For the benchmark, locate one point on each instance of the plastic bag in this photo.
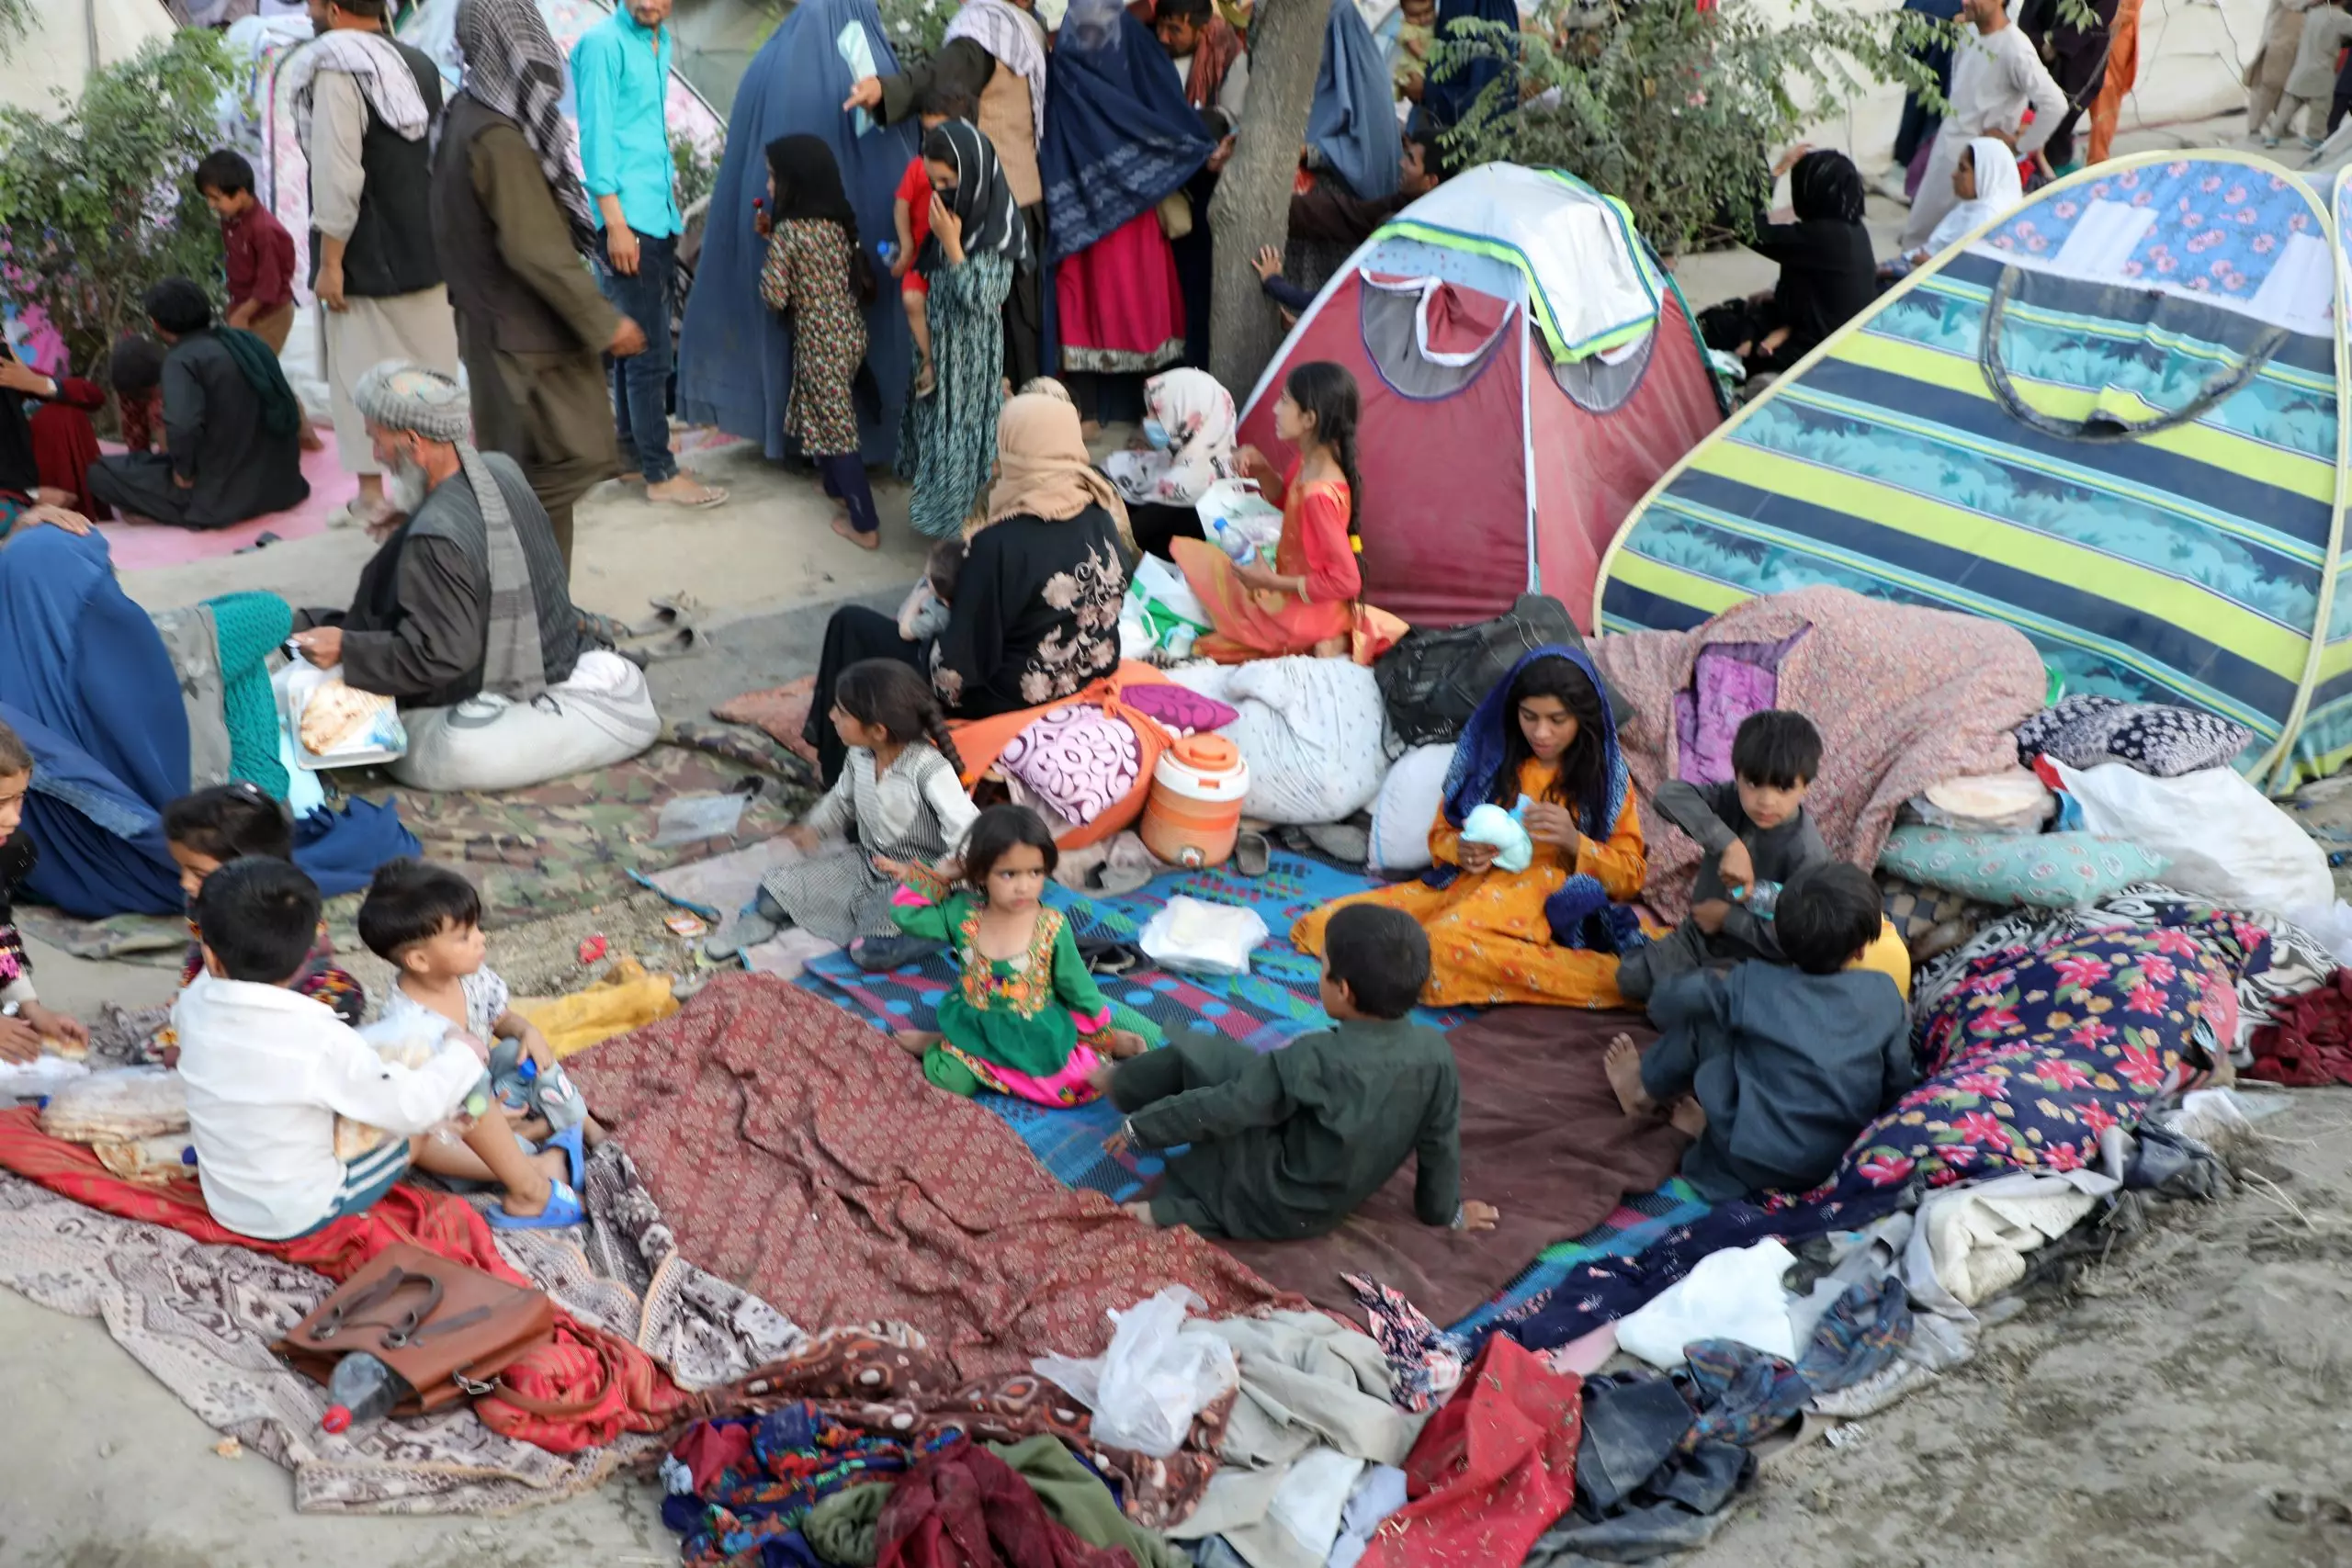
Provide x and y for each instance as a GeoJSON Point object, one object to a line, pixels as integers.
{"type": "Point", "coordinates": [333, 725]}
{"type": "Point", "coordinates": [1239, 520]}
{"type": "Point", "coordinates": [1195, 938]}
{"type": "Point", "coordinates": [1734, 1294]}
{"type": "Point", "coordinates": [2224, 840]}
{"type": "Point", "coordinates": [1490, 824]}
{"type": "Point", "coordinates": [1160, 613]}
{"type": "Point", "coordinates": [409, 1038]}
{"type": "Point", "coordinates": [1156, 1375]}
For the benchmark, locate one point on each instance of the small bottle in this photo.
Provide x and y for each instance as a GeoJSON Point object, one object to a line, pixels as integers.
{"type": "Point", "coordinates": [1761, 898]}
{"type": "Point", "coordinates": [362, 1388]}
{"type": "Point", "coordinates": [518, 1093]}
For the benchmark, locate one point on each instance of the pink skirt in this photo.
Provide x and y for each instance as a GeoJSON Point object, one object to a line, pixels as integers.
{"type": "Point", "coordinates": [1122, 308]}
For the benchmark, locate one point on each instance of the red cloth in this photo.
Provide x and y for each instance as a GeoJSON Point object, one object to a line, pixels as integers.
{"type": "Point", "coordinates": [709, 1446]}
{"type": "Point", "coordinates": [964, 1508]}
{"type": "Point", "coordinates": [143, 418]}
{"type": "Point", "coordinates": [2310, 1042]}
{"type": "Point", "coordinates": [1121, 295]}
{"type": "Point", "coordinates": [632, 1394]}
{"type": "Point", "coordinates": [1491, 1471]}
{"type": "Point", "coordinates": [914, 189]}
{"type": "Point", "coordinates": [261, 260]}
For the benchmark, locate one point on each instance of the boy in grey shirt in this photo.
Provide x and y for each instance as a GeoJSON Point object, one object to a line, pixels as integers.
{"type": "Point", "coordinates": [1755, 831]}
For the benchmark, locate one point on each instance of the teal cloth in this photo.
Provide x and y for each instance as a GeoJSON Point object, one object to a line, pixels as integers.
{"type": "Point", "coordinates": [281, 412]}
{"type": "Point", "coordinates": [249, 626]}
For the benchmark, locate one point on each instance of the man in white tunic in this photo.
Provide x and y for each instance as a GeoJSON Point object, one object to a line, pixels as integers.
{"type": "Point", "coordinates": [1996, 76]}
{"type": "Point", "coordinates": [364, 108]}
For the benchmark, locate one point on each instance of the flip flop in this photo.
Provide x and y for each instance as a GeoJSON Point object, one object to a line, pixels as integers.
{"type": "Point", "coordinates": [1251, 854]}
{"type": "Point", "coordinates": [564, 1211]}
{"type": "Point", "coordinates": [575, 1156]}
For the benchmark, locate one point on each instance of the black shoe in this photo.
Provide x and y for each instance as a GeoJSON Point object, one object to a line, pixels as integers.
{"type": "Point", "coordinates": [878, 954]}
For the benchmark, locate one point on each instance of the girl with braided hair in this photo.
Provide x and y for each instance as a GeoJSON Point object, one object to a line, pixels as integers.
{"type": "Point", "coordinates": [1308, 598]}
{"type": "Point", "coordinates": [899, 789]}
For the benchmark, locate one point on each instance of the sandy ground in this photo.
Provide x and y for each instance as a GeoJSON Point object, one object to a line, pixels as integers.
{"type": "Point", "coordinates": [2184, 1402]}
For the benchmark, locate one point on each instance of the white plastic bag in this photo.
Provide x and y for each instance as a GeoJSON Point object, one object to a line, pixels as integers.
{"type": "Point", "coordinates": [1160, 613]}
{"type": "Point", "coordinates": [1734, 1294]}
{"type": "Point", "coordinates": [2224, 840]}
{"type": "Point", "coordinates": [1196, 938]}
{"type": "Point", "coordinates": [366, 730]}
{"type": "Point", "coordinates": [1155, 1378]}
{"type": "Point", "coordinates": [1239, 520]}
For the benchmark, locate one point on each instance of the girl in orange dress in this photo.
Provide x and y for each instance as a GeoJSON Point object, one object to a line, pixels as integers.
{"type": "Point", "coordinates": [1306, 601]}
{"type": "Point", "coordinates": [1550, 933]}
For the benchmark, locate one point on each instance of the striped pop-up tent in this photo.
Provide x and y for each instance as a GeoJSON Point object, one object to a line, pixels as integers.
{"type": "Point", "coordinates": [2113, 421]}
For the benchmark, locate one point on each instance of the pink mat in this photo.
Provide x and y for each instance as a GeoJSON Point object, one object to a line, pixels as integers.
{"type": "Point", "coordinates": [137, 547]}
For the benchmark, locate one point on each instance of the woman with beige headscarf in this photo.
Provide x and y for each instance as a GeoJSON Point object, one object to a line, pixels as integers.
{"type": "Point", "coordinates": [1035, 614]}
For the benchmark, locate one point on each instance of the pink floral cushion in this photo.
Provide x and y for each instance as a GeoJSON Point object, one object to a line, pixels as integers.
{"type": "Point", "coordinates": [1179, 707]}
{"type": "Point", "coordinates": [1080, 760]}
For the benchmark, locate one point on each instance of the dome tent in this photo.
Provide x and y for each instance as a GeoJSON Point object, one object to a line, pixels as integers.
{"type": "Point", "coordinates": [2113, 421]}
{"type": "Point", "coordinates": [1527, 370]}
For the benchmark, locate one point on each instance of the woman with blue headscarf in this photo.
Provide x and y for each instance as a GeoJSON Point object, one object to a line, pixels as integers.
{"type": "Point", "coordinates": [1529, 908]}
{"type": "Point", "coordinates": [1351, 127]}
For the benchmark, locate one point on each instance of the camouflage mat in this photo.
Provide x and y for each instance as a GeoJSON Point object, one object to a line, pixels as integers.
{"type": "Point", "coordinates": [573, 843]}
{"type": "Point", "coordinates": [160, 940]}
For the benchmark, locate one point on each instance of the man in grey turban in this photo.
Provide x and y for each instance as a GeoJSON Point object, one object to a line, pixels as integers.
{"type": "Point", "coordinates": [463, 615]}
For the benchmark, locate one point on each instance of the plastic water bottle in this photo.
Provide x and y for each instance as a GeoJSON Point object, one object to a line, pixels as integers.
{"type": "Point", "coordinates": [1761, 897]}
{"type": "Point", "coordinates": [518, 1093]}
{"type": "Point", "coordinates": [363, 1389]}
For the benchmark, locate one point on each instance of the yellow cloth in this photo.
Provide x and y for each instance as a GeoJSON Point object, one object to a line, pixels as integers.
{"type": "Point", "coordinates": [1489, 941]}
{"type": "Point", "coordinates": [1889, 957]}
{"type": "Point", "coordinates": [626, 999]}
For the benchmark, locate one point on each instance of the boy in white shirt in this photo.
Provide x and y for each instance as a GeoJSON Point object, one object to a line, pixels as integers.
{"type": "Point", "coordinates": [268, 1070]}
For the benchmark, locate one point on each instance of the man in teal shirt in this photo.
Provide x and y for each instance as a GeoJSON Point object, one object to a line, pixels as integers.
{"type": "Point", "coordinates": [620, 75]}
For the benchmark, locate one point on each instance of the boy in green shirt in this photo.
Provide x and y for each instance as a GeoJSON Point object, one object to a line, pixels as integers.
{"type": "Point", "coordinates": [1285, 1145]}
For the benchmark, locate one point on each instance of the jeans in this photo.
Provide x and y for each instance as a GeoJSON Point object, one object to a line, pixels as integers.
{"type": "Point", "coordinates": [641, 383]}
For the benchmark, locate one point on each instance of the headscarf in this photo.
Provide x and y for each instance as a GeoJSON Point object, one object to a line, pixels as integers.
{"type": "Point", "coordinates": [513, 68]}
{"type": "Point", "coordinates": [1354, 120]}
{"type": "Point", "coordinates": [1827, 185]}
{"type": "Point", "coordinates": [1042, 466]}
{"type": "Point", "coordinates": [1119, 136]}
{"type": "Point", "coordinates": [1013, 40]}
{"type": "Point", "coordinates": [983, 201]}
{"type": "Point", "coordinates": [425, 402]}
{"type": "Point", "coordinates": [1214, 49]}
{"type": "Point", "coordinates": [808, 187]}
{"type": "Point", "coordinates": [1449, 91]}
{"type": "Point", "coordinates": [368, 58]}
{"type": "Point", "coordinates": [1196, 411]}
{"type": "Point", "coordinates": [1471, 778]}
{"type": "Point", "coordinates": [1999, 192]}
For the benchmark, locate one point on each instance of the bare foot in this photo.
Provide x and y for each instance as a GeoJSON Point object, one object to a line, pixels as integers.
{"type": "Point", "coordinates": [1139, 1210]}
{"type": "Point", "coordinates": [1687, 1119]}
{"type": "Point", "coordinates": [1623, 1063]}
{"type": "Point", "coordinates": [307, 439]}
{"type": "Point", "coordinates": [683, 489]}
{"type": "Point", "coordinates": [863, 541]}
{"type": "Point", "coordinates": [914, 1041]}
{"type": "Point", "coordinates": [1121, 1044]}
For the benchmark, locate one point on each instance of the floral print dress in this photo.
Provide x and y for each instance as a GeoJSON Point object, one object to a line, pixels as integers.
{"type": "Point", "coordinates": [806, 275]}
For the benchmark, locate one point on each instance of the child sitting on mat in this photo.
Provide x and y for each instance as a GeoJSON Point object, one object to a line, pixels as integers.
{"type": "Point", "coordinates": [1773, 1069]}
{"type": "Point", "coordinates": [230, 822]}
{"type": "Point", "coordinates": [1027, 1017]}
{"type": "Point", "coordinates": [426, 921]}
{"type": "Point", "coordinates": [268, 1071]}
{"type": "Point", "coordinates": [26, 1025]}
{"type": "Point", "coordinates": [1756, 835]}
{"type": "Point", "coordinates": [1287, 1143]}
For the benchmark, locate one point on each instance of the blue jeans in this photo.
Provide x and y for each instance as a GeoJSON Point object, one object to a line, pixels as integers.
{"type": "Point", "coordinates": [641, 383]}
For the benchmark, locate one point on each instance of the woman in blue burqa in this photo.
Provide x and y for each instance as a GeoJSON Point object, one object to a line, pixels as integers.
{"type": "Point", "coordinates": [734, 355]}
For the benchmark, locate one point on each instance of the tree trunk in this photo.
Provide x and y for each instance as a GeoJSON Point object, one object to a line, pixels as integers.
{"type": "Point", "coordinates": [1252, 207]}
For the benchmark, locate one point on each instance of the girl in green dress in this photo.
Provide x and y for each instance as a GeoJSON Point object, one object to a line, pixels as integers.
{"type": "Point", "coordinates": [1026, 1018]}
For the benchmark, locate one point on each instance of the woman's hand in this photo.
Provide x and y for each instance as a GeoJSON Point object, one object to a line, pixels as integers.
{"type": "Point", "coordinates": [948, 229]}
{"type": "Point", "coordinates": [1475, 857]}
{"type": "Point", "coordinates": [19, 1041]}
{"type": "Point", "coordinates": [15, 375]}
{"type": "Point", "coordinates": [1789, 159]}
{"type": "Point", "coordinates": [1548, 823]}
{"type": "Point", "coordinates": [50, 1024]}
{"type": "Point", "coordinates": [55, 516]}
{"type": "Point", "coordinates": [762, 224]}
{"type": "Point", "coordinates": [865, 95]}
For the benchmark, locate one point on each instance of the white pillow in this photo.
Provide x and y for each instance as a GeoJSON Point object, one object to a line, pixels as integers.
{"type": "Point", "coordinates": [1406, 807]}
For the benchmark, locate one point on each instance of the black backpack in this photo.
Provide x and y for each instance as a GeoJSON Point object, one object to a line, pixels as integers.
{"type": "Point", "coordinates": [1434, 679]}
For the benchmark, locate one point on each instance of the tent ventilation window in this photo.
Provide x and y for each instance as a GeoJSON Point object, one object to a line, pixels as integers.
{"type": "Point", "coordinates": [1430, 338]}
{"type": "Point", "coordinates": [1596, 385]}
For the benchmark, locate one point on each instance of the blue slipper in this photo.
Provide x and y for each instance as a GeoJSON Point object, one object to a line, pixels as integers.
{"type": "Point", "coordinates": [575, 1157]}
{"type": "Point", "coordinates": [564, 1211]}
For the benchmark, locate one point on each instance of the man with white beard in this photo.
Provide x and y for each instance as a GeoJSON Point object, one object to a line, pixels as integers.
{"type": "Point", "coordinates": [463, 617]}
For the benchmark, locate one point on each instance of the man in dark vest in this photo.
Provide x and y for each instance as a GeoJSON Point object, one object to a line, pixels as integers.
{"type": "Point", "coordinates": [510, 219]}
{"type": "Point", "coordinates": [364, 108]}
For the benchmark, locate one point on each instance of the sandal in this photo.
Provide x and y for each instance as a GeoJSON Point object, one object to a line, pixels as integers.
{"type": "Point", "coordinates": [564, 1211]}
{"type": "Point", "coordinates": [575, 1156]}
{"type": "Point", "coordinates": [1251, 854]}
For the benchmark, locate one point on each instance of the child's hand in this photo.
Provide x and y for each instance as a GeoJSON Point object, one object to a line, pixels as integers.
{"type": "Point", "coordinates": [1710, 915]}
{"type": "Point", "coordinates": [892, 870]}
{"type": "Point", "coordinates": [1253, 465]}
{"type": "Point", "coordinates": [1477, 1216]}
{"type": "Point", "coordinates": [535, 1045]}
{"type": "Point", "coordinates": [1119, 1143]}
{"type": "Point", "coordinates": [1268, 263]}
{"type": "Point", "coordinates": [1737, 868]}
{"type": "Point", "coordinates": [1476, 857]}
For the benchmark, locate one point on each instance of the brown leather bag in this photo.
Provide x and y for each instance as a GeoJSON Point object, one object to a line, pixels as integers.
{"type": "Point", "coordinates": [444, 1326]}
